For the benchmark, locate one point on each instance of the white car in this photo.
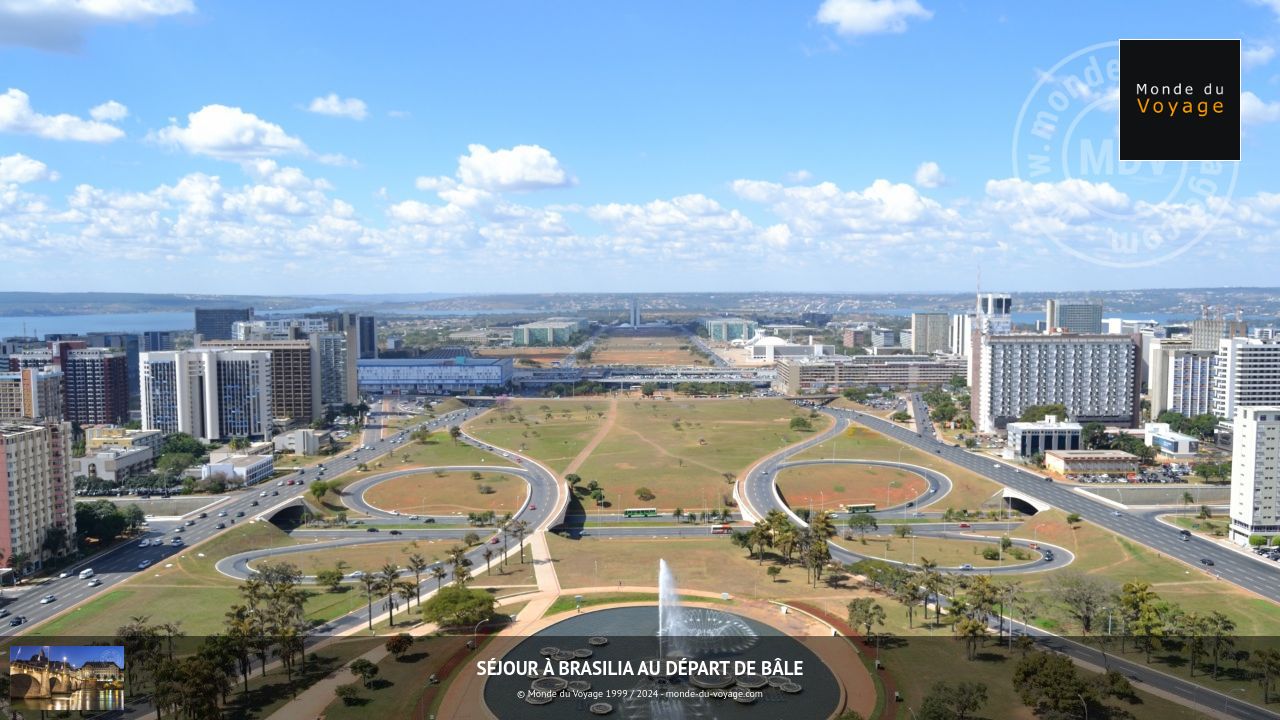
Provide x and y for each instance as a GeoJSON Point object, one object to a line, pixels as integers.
{"type": "Point", "coordinates": [145, 543]}
{"type": "Point", "coordinates": [47, 599]}
{"type": "Point", "coordinates": [144, 564]}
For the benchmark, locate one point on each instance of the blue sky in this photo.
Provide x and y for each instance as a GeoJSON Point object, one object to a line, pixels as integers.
{"type": "Point", "coordinates": [77, 655]}
{"type": "Point", "coordinates": [853, 145]}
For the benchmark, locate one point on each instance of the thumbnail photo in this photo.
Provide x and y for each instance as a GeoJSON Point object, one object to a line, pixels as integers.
{"type": "Point", "coordinates": [66, 677]}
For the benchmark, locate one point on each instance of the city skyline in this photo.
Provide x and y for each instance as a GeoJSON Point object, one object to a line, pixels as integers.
{"type": "Point", "coordinates": [718, 142]}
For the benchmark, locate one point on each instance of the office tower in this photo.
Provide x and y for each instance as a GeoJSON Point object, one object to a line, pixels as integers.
{"type": "Point", "coordinates": [349, 325]}
{"type": "Point", "coordinates": [1180, 379]}
{"type": "Point", "coordinates": [1255, 473]}
{"type": "Point", "coordinates": [368, 337]}
{"type": "Point", "coordinates": [1247, 375]}
{"type": "Point", "coordinates": [31, 394]}
{"type": "Point", "coordinates": [1094, 376]}
{"type": "Point", "coordinates": [635, 312]}
{"type": "Point", "coordinates": [96, 386]}
{"type": "Point", "coordinates": [157, 341]}
{"type": "Point", "coordinates": [1083, 318]}
{"type": "Point", "coordinates": [281, 328]}
{"type": "Point", "coordinates": [36, 497]}
{"type": "Point", "coordinates": [215, 323]}
{"type": "Point", "coordinates": [330, 350]}
{"type": "Point", "coordinates": [884, 337]}
{"type": "Point", "coordinates": [295, 377]}
{"type": "Point", "coordinates": [209, 393]}
{"type": "Point", "coordinates": [129, 344]}
{"type": "Point", "coordinates": [930, 333]}
{"type": "Point", "coordinates": [1206, 332]}
{"type": "Point", "coordinates": [959, 334]}
{"type": "Point", "coordinates": [993, 314]}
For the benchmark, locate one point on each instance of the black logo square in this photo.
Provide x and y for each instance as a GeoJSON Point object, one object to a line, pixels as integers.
{"type": "Point", "coordinates": [1179, 100]}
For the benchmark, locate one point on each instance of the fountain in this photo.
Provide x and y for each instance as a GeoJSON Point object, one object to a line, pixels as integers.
{"type": "Point", "coordinates": [672, 624]}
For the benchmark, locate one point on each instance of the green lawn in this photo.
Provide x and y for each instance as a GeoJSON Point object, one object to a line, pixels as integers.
{"type": "Point", "coordinates": [552, 431]}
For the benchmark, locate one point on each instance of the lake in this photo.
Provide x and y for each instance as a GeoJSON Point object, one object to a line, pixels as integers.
{"type": "Point", "coordinates": [38, 326]}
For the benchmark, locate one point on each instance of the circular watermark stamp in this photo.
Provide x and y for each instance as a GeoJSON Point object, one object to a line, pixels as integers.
{"type": "Point", "coordinates": [1069, 183]}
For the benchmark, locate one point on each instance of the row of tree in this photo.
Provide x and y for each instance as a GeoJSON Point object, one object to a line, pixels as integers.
{"type": "Point", "coordinates": [806, 545]}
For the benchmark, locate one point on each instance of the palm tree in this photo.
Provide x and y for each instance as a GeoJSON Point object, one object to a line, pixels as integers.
{"type": "Point", "coordinates": [387, 578]}
{"type": "Point", "coordinates": [370, 583]}
{"type": "Point", "coordinates": [488, 555]}
{"type": "Point", "coordinates": [439, 573]}
{"type": "Point", "coordinates": [823, 523]}
{"type": "Point", "coordinates": [519, 528]}
{"type": "Point", "coordinates": [407, 592]}
{"type": "Point", "coordinates": [909, 594]}
{"type": "Point", "coordinates": [417, 564]}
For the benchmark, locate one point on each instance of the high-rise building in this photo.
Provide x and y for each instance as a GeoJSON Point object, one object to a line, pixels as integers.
{"type": "Point", "coordinates": [157, 341]}
{"type": "Point", "coordinates": [280, 328]}
{"type": "Point", "coordinates": [1206, 332]}
{"type": "Point", "coordinates": [1094, 376]}
{"type": "Point", "coordinates": [215, 323]}
{"type": "Point", "coordinates": [1247, 375]}
{"type": "Point", "coordinates": [930, 333]}
{"type": "Point", "coordinates": [210, 393]}
{"type": "Point", "coordinates": [295, 377]}
{"type": "Point", "coordinates": [31, 394]}
{"type": "Point", "coordinates": [1180, 379]}
{"type": "Point", "coordinates": [330, 351]}
{"type": "Point", "coordinates": [884, 337]}
{"type": "Point", "coordinates": [1083, 318]}
{"type": "Point", "coordinates": [992, 315]}
{"type": "Point", "coordinates": [96, 386]}
{"type": "Point", "coordinates": [348, 324]}
{"type": "Point", "coordinates": [368, 337]}
{"type": "Point", "coordinates": [559, 331]}
{"type": "Point", "coordinates": [128, 343]}
{"type": "Point", "coordinates": [1255, 473]}
{"type": "Point", "coordinates": [36, 497]}
{"type": "Point", "coordinates": [635, 312]}
{"type": "Point", "coordinates": [960, 334]}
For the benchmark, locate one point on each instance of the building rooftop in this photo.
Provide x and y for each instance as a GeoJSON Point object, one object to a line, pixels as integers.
{"type": "Point", "coordinates": [1087, 454]}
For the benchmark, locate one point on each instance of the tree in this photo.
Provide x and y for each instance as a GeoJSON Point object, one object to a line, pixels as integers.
{"type": "Point", "coordinates": [1139, 606]}
{"type": "Point", "coordinates": [439, 573]}
{"type": "Point", "coordinates": [823, 524]}
{"type": "Point", "coordinates": [1093, 435]}
{"type": "Point", "coordinates": [573, 479]}
{"type": "Point", "coordinates": [773, 571]}
{"type": "Point", "coordinates": [901, 416]}
{"type": "Point", "coordinates": [455, 433]}
{"type": "Point", "coordinates": [417, 564]}
{"type": "Point", "coordinates": [1266, 662]}
{"type": "Point", "coordinates": [645, 494]}
{"type": "Point", "coordinates": [1036, 413]}
{"type": "Point", "coordinates": [387, 578]}
{"type": "Point", "coordinates": [946, 701]}
{"type": "Point", "coordinates": [331, 579]}
{"type": "Point", "coordinates": [320, 488]}
{"type": "Point", "coordinates": [399, 644]}
{"type": "Point", "coordinates": [1073, 518]}
{"type": "Point", "coordinates": [458, 607]}
{"type": "Point", "coordinates": [518, 529]}
{"type": "Point", "coordinates": [801, 424]}
{"type": "Point", "coordinates": [182, 443]}
{"type": "Point", "coordinates": [364, 670]}
{"type": "Point", "coordinates": [1051, 686]}
{"type": "Point", "coordinates": [348, 693]}
{"type": "Point", "coordinates": [1082, 597]}
{"type": "Point", "coordinates": [862, 523]}
{"type": "Point", "coordinates": [865, 612]}
{"type": "Point", "coordinates": [1220, 637]}
{"type": "Point", "coordinates": [370, 583]}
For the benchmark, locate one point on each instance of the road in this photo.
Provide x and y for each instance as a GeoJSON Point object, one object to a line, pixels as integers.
{"type": "Point", "coordinates": [121, 563]}
{"type": "Point", "coordinates": [702, 345]}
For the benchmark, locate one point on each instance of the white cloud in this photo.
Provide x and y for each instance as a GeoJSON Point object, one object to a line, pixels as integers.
{"type": "Point", "coordinates": [335, 106]}
{"type": "Point", "coordinates": [60, 24]}
{"type": "Point", "coordinates": [1256, 111]}
{"type": "Point", "coordinates": [1256, 56]}
{"type": "Point", "coordinates": [1274, 5]}
{"type": "Point", "coordinates": [929, 175]}
{"type": "Point", "coordinates": [19, 168]}
{"type": "Point", "coordinates": [523, 167]}
{"type": "Point", "coordinates": [1066, 201]}
{"type": "Point", "coordinates": [798, 176]}
{"type": "Point", "coordinates": [109, 111]}
{"type": "Point", "coordinates": [17, 116]}
{"type": "Point", "coordinates": [230, 133]}
{"type": "Point", "coordinates": [868, 17]}
{"type": "Point", "coordinates": [420, 213]}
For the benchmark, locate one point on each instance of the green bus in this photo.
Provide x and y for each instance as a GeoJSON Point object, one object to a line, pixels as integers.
{"type": "Point", "coordinates": [640, 512]}
{"type": "Point", "coordinates": [861, 508]}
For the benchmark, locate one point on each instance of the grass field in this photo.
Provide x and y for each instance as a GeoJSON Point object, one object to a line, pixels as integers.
{"type": "Point", "coordinates": [370, 557]}
{"type": "Point", "coordinates": [645, 350]}
{"type": "Point", "coordinates": [553, 431]}
{"type": "Point", "coordinates": [833, 486]}
{"type": "Point", "coordinates": [1212, 527]}
{"type": "Point", "coordinates": [708, 563]}
{"type": "Point", "coordinates": [438, 451]}
{"type": "Point", "coordinates": [527, 355]}
{"type": "Point", "coordinates": [970, 489]}
{"type": "Point", "coordinates": [449, 492]}
{"type": "Point", "coordinates": [400, 681]}
{"type": "Point", "coordinates": [947, 553]}
{"type": "Point", "coordinates": [681, 450]}
{"type": "Point", "coordinates": [169, 506]}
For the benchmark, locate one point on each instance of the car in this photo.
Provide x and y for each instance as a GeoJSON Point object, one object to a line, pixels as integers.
{"type": "Point", "coordinates": [222, 513]}
{"type": "Point", "coordinates": [4, 613]}
{"type": "Point", "coordinates": [966, 566]}
{"type": "Point", "coordinates": [911, 503]}
{"type": "Point", "coordinates": [964, 526]}
{"type": "Point", "coordinates": [995, 465]}
{"type": "Point", "coordinates": [203, 515]}
{"type": "Point", "coordinates": [262, 494]}
{"type": "Point", "coordinates": [220, 526]}
{"type": "Point", "coordinates": [176, 542]}
{"type": "Point", "coordinates": [17, 620]}
{"type": "Point", "coordinates": [253, 503]}
{"type": "Point", "coordinates": [64, 574]}
{"type": "Point", "coordinates": [179, 529]}
{"type": "Point", "coordinates": [189, 523]}
{"type": "Point", "coordinates": [48, 599]}
{"type": "Point", "coordinates": [495, 540]}
{"type": "Point", "coordinates": [95, 582]}
{"type": "Point", "coordinates": [1185, 538]}
{"type": "Point", "coordinates": [144, 543]}
{"type": "Point", "coordinates": [428, 520]}
{"type": "Point", "coordinates": [279, 483]}
{"type": "Point", "coordinates": [144, 564]}
{"type": "Point", "coordinates": [302, 471]}
{"type": "Point", "coordinates": [1206, 562]}
{"type": "Point", "coordinates": [239, 513]}
{"type": "Point", "coordinates": [372, 529]}
{"type": "Point", "coordinates": [275, 493]}
{"type": "Point", "coordinates": [1048, 557]}
{"type": "Point", "coordinates": [1117, 513]}
{"type": "Point", "coordinates": [532, 506]}
{"type": "Point", "coordinates": [396, 532]}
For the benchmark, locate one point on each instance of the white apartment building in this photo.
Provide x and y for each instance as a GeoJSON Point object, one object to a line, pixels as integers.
{"type": "Point", "coordinates": [37, 490]}
{"type": "Point", "coordinates": [1247, 375]}
{"type": "Point", "coordinates": [212, 394]}
{"type": "Point", "coordinates": [1094, 376]}
{"type": "Point", "coordinates": [930, 333]}
{"type": "Point", "coordinates": [1180, 379]}
{"type": "Point", "coordinates": [1255, 473]}
{"type": "Point", "coordinates": [961, 334]}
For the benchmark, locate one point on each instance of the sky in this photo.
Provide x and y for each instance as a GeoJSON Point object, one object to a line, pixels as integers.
{"type": "Point", "coordinates": [77, 655]}
{"type": "Point", "coordinates": [812, 145]}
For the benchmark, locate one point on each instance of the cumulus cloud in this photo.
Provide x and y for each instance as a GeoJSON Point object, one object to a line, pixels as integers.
{"type": "Point", "coordinates": [523, 167]}
{"type": "Point", "coordinates": [229, 133]}
{"type": "Point", "coordinates": [929, 175]}
{"type": "Point", "coordinates": [109, 111]}
{"type": "Point", "coordinates": [335, 106]}
{"type": "Point", "coordinates": [19, 168]}
{"type": "Point", "coordinates": [1256, 111]}
{"type": "Point", "coordinates": [798, 176]}
{"type": "Point", "coordinates": [60, 24]}
{"type": "Point", "coordinates": [17, 116]}
{"type": "Point", "coordinates": [1256, 56]}
{"type": "Point", "coordinates": [869, 17]}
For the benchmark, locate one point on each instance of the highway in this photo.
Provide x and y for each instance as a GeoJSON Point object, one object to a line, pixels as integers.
{"type": "Point", "coordinates": [121, 563]}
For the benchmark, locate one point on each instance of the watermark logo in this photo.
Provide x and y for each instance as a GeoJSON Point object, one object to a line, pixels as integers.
{"type": "Point", "coordinates": [1075, 190]}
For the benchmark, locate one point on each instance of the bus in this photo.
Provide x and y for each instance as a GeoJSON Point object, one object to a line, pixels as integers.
{"type": "Point", "coordinates": [861, 508]}
{"type": "Point", "coordinates": [721, 529]}
{"type": "Point", "coordinates": [640, 512]}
